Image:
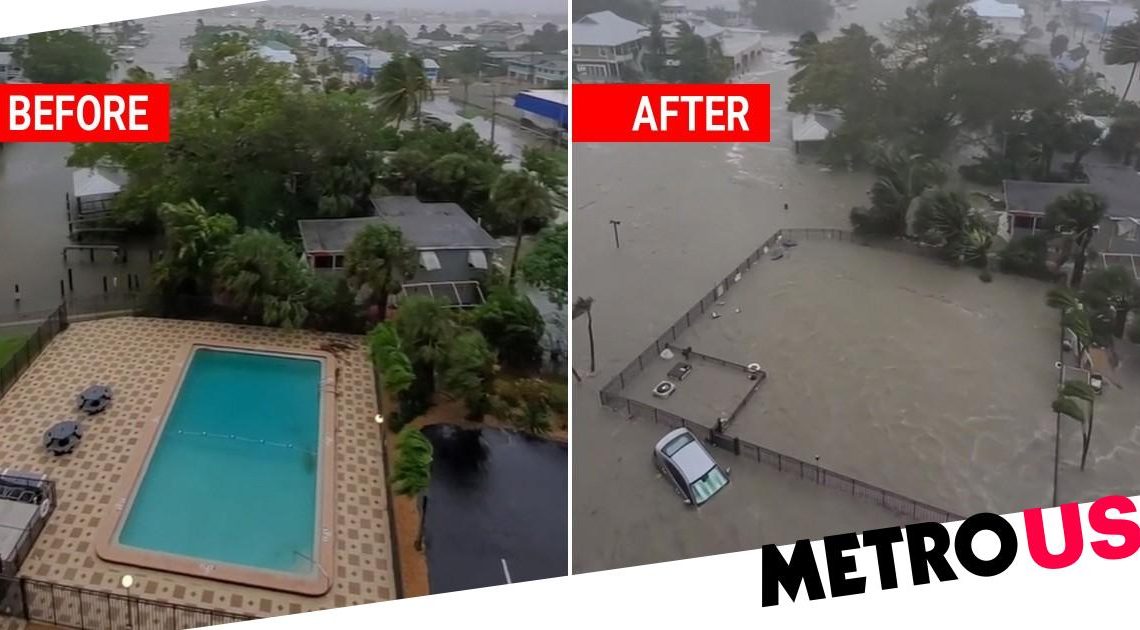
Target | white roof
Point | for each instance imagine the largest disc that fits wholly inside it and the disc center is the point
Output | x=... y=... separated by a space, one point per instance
x=277 y=56
x=346 y=43
x=371 y=58
x=606 y=28
x=813 y=127
x=89 y=182
x=702 y=28
x=430 y=64
x=995 y=9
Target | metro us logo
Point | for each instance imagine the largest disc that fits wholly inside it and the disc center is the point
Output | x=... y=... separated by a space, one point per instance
x=927 y=549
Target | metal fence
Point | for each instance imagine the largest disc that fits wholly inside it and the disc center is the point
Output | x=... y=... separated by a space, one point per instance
x=611 y=396
x=11 y=370
x=37 y=492
x=85 y=609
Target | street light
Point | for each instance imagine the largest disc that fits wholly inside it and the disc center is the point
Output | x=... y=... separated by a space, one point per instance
x=379 y=419
x=127 y=582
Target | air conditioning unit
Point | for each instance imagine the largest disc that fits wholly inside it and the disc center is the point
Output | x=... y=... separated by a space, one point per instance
x=664 y=389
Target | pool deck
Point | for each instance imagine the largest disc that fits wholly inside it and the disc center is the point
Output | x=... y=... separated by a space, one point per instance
x=138 y=358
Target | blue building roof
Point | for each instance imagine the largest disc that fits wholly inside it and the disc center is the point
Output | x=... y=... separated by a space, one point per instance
x=550 y=104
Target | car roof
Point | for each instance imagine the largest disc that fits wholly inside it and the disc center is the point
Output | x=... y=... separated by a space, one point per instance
x=692 y=460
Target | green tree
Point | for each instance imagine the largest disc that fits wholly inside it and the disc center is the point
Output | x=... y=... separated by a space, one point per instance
x=378 y=260
x=62 y=57
x=389 y=358
x=1123 y=48
x=403 y=87
x=411 y=473
x=513 y=326
x=1070 y=395
x=1124 y=133
x=261 y=276
x=1058 y=45
x=946 y=219
x=1112 y=293
x=194 y=240
x=655 y=53
x=426 y=327
x=547 y=265
x=517 y=198
x=465 y=64
x=550 y=167
x=525 y=403
x=1076 y=216
x=469 y=371
x=900 y=179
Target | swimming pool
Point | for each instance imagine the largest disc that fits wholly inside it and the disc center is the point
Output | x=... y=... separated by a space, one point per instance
x=231 y=487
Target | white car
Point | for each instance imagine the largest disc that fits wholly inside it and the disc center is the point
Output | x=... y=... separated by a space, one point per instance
x=683 y=460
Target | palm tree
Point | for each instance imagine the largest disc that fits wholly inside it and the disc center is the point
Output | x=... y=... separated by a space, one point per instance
x=1074 y=316
x=946 y=218
x=389 y=358
x=585 y=306
x=403 y=87
x=411 y=474
x=1114 y=293
x=379 y=259
x=261 y=276
x=519 y=197
x=425 y=327
x=1077 y=216
x=900 y=179
x=1123 y=48
x=1066 y=404
x=194 y=240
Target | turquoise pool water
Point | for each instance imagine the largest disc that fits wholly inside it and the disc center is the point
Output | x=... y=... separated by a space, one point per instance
x=233 y=475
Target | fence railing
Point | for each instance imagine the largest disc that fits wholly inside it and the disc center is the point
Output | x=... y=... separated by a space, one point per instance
x=16 y=364
x=611 y=396
x=32 y=490
x=85 y=609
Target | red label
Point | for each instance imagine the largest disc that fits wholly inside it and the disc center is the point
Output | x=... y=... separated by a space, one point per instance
x=121 y=112
x=717 y=112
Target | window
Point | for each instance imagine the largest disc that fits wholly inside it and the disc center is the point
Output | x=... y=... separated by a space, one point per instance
x=477 y=259
x=322 y=261
x=676 y=444
x=429 y=261
x=338 y=262
x=1024 y=222
x=705 y=487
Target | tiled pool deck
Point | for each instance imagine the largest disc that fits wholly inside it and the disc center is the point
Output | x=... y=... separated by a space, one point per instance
x=136 y=356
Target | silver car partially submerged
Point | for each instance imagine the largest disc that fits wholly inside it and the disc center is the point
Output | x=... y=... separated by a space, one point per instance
x=683 y=460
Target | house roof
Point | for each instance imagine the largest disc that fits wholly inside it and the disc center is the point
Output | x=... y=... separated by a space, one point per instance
x=433 y=225
x=276 y=45
x=346 y=43
x=89 y=182
x=605 y=28
x=371 y=58
x=702 y=28
x=996 y=9
x=1119 y=185
x=815 y=126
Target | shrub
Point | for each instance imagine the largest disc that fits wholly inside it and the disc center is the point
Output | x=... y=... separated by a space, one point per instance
x=513 y=326
x=525 y=403
x=411 y=474
x=1026 y=256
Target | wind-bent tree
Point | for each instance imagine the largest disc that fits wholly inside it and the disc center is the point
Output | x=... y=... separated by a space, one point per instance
x=469 y=372
x=425 y=327
x=1068 y=403
x=946 y=219
x=1076 y=216
x=525 y=403
x=547 y=265
x=411 y=474
x=262 y=276
x=513 y=326
x=519 y=197
x=1123 y=48
x=1074 y=316
x=403 y=87
x=585 y=306
x=901 y=178
x=1111 y=294
x=194 y=241
x=389 y=358
x=378 y=260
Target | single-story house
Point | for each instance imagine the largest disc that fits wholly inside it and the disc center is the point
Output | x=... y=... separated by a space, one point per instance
x=814 y=127
x=1119 y=185
x=1005 y=18
x=276 y=52
x=9 y=69
x=454 y=251
x=361 y=65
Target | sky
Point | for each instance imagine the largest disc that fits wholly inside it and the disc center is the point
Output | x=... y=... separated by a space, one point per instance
x=520 y=6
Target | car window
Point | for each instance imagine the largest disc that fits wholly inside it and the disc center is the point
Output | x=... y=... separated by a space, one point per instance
x=677 y=444
x=708 y=485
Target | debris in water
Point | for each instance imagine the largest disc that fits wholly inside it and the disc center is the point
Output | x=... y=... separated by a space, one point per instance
x=667 y=354
x=715 y=315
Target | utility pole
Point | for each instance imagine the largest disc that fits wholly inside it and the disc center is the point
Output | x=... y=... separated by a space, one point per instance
x=494 y=106
x=615 y=223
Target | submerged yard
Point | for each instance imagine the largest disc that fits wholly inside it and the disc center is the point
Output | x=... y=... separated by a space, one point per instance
x=9 y=345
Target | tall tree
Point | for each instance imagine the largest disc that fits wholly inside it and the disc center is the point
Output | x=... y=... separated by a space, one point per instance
x=411 y=473
x=517 y=198
x=469 y=371
x=547 y=265
x=378 y=260
x=260 y=275
x=1111 y=293
x=403 y=87
x=1070 y=395
x=1123 y=48
x=62 y=57
x=1076 y=215
x=513 y=326
x=194 y=240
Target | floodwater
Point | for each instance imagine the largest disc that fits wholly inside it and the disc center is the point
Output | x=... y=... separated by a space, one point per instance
x=496 y=508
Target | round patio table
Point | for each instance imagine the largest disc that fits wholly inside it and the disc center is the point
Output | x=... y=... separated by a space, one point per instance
x=62 y=437
x=95 y=399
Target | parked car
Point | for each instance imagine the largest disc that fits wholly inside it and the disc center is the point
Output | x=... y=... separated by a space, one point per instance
x=435 y=122
x=683 y=460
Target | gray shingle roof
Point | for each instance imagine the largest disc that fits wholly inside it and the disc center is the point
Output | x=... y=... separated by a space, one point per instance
x=424 y=226
x=1119 y=185
x=605 y=28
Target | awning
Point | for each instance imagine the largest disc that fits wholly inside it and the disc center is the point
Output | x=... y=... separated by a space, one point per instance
x=429 y=261
x=477 y=259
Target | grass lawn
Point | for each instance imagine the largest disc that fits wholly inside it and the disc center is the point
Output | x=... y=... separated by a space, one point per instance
x=9 y=346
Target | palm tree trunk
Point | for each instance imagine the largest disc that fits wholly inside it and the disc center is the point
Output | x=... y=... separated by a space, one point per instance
x=1088 y=435
x=515 y=254
x=1124 y=94
x=1079 y=265
x=590 y=335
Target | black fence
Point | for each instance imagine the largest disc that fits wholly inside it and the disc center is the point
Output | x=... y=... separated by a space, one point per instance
x=37 y=494
x=611 y=396
x=11 y=370
x=36 y=601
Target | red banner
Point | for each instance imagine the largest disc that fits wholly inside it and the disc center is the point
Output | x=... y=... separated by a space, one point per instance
x=718 y=112
x=121 y=112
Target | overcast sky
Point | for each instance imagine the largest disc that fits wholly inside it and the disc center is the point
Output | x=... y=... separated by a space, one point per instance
x=557 y=7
